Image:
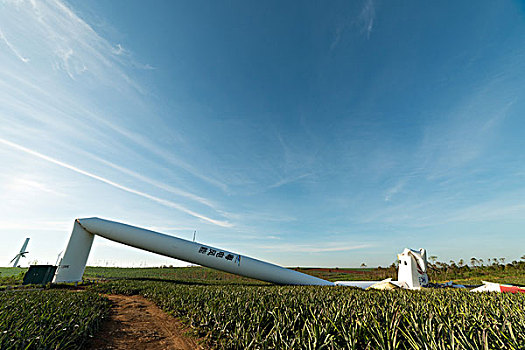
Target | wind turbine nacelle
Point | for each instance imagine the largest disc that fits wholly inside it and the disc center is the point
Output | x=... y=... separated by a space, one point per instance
x=412 y=268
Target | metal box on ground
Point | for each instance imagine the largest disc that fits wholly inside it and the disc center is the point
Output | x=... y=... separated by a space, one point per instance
x=39 y=274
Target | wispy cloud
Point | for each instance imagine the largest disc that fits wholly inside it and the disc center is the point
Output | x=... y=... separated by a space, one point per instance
x=161 y=201
x=119 y=50
x=392 y=191
x=364 y=22
x=465 y=135
x=12 y=48
x=367 y=17
x=168 y=188
x=288 y=180
x=500 y=209
x=67 y=44
x=24 y=184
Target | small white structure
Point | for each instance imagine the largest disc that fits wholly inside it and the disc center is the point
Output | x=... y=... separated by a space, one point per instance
x=73 y=263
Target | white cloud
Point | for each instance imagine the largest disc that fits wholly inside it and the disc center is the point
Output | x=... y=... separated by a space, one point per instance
x=61 y=42
x=155 y=183
x=119 y=50
x=12 y=48
x=21 y=185
x=391 y=192
x=367 y=17
x=161 y=201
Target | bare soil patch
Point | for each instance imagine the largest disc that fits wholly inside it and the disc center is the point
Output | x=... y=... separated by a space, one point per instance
x=137 y=323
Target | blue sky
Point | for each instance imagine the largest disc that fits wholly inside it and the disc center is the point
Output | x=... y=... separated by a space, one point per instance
x=308 y=134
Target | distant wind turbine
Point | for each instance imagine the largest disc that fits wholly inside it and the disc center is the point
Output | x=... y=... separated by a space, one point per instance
x=21 y=254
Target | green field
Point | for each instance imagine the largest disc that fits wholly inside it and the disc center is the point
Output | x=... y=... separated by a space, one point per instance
x=510 y=273
x=49 y=319
x=10 y=271
x=11 y=276
x=194 y=275
x=282 y=317
x=232 y=312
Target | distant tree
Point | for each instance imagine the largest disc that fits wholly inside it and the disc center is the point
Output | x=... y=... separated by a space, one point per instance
x=433 y=258
x=502 y=261
x=473 y=261
x=522 y=257
x=363 y=265
x=461 y=262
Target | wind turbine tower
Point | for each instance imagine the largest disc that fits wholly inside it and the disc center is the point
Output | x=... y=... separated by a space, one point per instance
x=22 y=253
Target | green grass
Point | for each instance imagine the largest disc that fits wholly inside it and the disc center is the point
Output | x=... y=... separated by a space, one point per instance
x=49 y=319
x=11 y=276
x=10 y=271
x=193 y=275
x=281 y=317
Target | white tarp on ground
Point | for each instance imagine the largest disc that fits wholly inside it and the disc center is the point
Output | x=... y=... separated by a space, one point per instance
x=497 y=287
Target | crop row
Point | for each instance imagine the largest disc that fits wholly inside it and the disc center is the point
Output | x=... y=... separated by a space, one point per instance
x=274 y=317
x=49 y=319
x=192 y=275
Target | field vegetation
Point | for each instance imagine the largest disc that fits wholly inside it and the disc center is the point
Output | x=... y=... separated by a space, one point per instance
x=233 y=312
x=49 y=319
x=281 y=317
x=192 y=275
x=513 y=272
x=11 y=276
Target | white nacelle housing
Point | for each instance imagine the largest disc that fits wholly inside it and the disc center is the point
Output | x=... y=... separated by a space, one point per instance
x=411 y=273
x=412 y=268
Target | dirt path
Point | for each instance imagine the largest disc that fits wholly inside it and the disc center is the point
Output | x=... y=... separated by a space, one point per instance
x=137 y=323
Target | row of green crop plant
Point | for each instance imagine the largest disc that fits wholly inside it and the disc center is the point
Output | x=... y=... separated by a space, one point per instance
x=287 y=317
x=50 y=319
x=510 y=273
x=10 y=276
x=12 y=280
x=193 y=275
